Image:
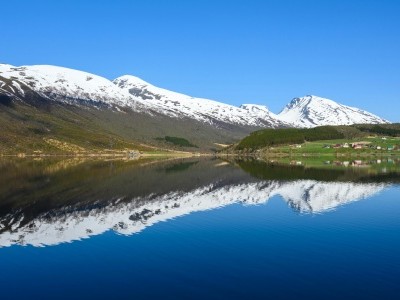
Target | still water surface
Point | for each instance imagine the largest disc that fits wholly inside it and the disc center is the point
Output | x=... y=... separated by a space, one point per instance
x=198 y=229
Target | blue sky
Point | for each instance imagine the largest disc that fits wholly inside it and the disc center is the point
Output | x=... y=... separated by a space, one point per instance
x=264 y=52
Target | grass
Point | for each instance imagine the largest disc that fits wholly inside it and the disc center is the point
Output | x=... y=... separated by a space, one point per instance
x=177 y=141
x=24 y=127
x=316 y=148
x=319 y=141
x=27 y=129
x=64 y=130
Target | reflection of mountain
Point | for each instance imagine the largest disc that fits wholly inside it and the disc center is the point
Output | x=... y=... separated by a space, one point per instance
x=73 y=222
x=315 y=197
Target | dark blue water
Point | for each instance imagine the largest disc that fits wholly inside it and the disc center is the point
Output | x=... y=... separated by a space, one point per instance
x=263 y=245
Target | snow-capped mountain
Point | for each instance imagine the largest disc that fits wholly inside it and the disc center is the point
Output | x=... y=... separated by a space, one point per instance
x=70 y=224
x=209 y=111
x=129 y=92
x=63 y=85
x=312 y=111
x=74 y=87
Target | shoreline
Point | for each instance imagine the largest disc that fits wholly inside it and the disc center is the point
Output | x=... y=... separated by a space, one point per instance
x=107 y=155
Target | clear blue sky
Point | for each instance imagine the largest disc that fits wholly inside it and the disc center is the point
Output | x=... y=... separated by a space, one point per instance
x=264 y=52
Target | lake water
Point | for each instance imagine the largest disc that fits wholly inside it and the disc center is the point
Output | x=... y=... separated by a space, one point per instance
x=199 y=229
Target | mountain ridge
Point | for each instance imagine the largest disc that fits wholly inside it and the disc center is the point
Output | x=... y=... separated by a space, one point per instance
x=174 y=104
x=64 y=84
x=44 y=101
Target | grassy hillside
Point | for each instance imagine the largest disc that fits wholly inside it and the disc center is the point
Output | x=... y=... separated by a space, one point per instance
x=320 y=140
x=153 y=130
x=42 y=126
x=56 y=129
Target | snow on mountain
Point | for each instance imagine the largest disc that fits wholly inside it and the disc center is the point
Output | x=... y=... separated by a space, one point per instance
x=69 y=224
x=5 y=67
x=209 y=111
x=65 y=85
x=312 y=111
x=73 y=86
x=257 y=110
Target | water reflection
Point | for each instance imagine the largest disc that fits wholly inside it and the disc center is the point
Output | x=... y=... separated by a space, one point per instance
x=50 y=202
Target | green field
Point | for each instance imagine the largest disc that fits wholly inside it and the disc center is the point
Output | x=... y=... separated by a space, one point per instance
x=375 y=140
x=318 y=148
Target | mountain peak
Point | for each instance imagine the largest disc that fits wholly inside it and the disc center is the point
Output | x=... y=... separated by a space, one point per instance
x=127 y=81
x=311 y=111
x=307 y=100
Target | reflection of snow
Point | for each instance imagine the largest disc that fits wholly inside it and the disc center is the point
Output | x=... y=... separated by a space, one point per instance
x=315 y=197
x=132 y=217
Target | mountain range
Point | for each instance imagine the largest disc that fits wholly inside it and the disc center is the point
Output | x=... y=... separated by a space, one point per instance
x=130 y=109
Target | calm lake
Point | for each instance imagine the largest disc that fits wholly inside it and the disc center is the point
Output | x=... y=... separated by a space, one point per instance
x=199 y=229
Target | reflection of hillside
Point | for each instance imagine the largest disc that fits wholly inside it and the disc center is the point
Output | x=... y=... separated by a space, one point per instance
x=104 y=196
x=280 y=171
x=28 y=188
x=64 y=164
